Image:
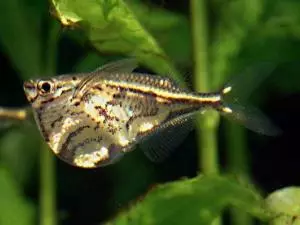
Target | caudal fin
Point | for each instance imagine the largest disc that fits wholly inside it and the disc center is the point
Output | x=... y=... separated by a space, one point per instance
x=251 y=118
x=245 y=114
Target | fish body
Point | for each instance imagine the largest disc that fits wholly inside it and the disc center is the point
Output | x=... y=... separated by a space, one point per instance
x=92 y=119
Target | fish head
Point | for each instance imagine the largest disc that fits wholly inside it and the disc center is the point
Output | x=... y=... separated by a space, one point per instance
x=50 y=99
x=40 y=92
x=73 y=132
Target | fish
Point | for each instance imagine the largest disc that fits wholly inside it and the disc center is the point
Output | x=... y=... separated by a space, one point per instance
x=93 y=119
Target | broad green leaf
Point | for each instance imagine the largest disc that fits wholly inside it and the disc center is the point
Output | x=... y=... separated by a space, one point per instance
x=164 y=26
x=14 y=208
x=152 y=16
x=193 y=201
x=285 y=205
x=111 y=26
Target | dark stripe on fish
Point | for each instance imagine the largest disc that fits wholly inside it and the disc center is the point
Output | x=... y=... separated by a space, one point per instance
x=97 y=139
x=151 y=111
x=33 y=99
x=41 y=125
x=48 y=100
x=66 y=91
x=66 y=153
x=174 y=100
x=51 y=99
x=59 y=119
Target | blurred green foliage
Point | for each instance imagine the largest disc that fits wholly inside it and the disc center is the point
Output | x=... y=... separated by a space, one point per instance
x=15 y=208
x=242 y=32
x=192 y=201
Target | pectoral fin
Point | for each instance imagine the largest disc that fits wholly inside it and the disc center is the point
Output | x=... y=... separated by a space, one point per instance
x=160 y=144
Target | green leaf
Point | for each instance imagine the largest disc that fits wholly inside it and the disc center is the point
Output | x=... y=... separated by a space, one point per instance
x=112 y=27
x=193 y=201
x=14 y=208
x=285 y=205
x=164 y=26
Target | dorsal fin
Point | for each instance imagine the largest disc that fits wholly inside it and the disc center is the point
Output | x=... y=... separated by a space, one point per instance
x=120 y=66
x=162 y=142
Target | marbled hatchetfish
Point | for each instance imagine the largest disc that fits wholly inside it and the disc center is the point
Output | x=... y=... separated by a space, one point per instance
x=92 y=119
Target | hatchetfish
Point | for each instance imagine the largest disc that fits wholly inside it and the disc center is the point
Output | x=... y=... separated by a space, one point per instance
x=92 y=119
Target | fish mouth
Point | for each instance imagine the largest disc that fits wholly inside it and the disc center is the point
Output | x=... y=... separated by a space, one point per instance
x=28 y=85
x=30 y=90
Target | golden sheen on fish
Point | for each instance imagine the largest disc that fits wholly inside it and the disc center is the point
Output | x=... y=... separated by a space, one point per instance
x=92 y=119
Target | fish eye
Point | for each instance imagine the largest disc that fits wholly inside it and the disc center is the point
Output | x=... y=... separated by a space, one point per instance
x=46 y=87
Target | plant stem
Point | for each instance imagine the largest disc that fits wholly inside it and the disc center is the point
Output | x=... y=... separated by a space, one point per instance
x=207 y=142
x=47 y=164
x=238 y=161
x=207 y=124
x=47 y=187
x=199 y=29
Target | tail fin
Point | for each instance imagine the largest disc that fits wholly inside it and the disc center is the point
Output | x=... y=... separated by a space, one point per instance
x=248 y=116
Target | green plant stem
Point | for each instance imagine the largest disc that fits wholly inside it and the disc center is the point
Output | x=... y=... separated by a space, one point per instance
x=207 y=142
x=238 y=159
x=238 y=164
x=207 y=124
x=47 y=187
x=47 y=164
x=200 y=43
